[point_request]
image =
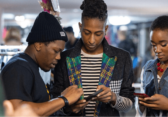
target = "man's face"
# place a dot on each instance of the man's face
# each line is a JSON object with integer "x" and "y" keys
{"x": 93, "y": 32}
{"x": 49, "y": 54}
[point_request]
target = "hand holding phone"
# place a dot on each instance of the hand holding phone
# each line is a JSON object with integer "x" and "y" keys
{"x": 93, "y": 95}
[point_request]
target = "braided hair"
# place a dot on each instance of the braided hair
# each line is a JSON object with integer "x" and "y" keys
{"x": 94, "y": 9}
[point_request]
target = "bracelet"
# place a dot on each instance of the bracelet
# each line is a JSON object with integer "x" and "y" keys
{"x": 65, "y": 100}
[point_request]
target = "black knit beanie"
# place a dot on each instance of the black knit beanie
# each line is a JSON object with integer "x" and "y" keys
{"x": 46, "y": 28}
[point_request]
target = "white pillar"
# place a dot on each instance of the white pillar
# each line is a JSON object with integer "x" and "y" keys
{"x": 1, "y": 25}
{"x": 143, "y": 38}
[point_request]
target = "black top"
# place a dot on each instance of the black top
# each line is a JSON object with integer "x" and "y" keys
{"x": 22, "y": 80}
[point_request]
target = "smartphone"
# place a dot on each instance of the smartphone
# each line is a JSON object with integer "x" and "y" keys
{"x": 141, "y": 95}
{"x": 55, "y": 5}
{"x": 2, "y": 97}
{"x": 93, "y": 95}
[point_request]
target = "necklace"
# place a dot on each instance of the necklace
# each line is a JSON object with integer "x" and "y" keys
{"x": 159, "y": 68}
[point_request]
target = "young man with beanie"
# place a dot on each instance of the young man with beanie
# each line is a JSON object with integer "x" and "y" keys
{"x": 22, "y": 81}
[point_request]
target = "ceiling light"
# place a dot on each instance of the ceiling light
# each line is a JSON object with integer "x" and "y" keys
{"x": 19, "y": 18}
{"x": 119, "y": 20}
{"x": 8, "y": 16}
{"x": 24, "y": 23}
{"x": 123, "y": 28}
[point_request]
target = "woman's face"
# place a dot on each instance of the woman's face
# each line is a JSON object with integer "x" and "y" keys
{"x": 93, "y": 31}
{"x": 159, "y": 41}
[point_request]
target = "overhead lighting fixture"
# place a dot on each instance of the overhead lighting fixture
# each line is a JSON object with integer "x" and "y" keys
{"x": 8, "y": 16}
{"x": 119, "y": 20}
{"x": 30, "y": 16}
{"x": 123, "y": 28}
{"x": 24, "y": 24}
{"x": 19, "y": 18}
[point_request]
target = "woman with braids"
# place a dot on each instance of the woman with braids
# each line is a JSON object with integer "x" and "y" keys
{"x": 93, "y": 65}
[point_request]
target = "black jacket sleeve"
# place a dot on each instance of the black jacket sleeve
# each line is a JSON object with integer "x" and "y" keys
{"x": 126, "y": 87}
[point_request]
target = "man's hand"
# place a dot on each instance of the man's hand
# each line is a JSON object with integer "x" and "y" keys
{"x": 156, "y": 102}
{"x": 72, "y": 94}
{"x": 80, "y": 105}
{"x": 106, "y": 95}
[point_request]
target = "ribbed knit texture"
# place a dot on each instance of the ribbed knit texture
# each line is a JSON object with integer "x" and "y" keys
{"x": 46, "y": 28}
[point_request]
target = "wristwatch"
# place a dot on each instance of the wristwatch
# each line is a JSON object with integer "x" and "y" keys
{"x": 65, "y": 100}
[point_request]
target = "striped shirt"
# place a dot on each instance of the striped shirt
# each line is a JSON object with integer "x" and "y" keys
{"x": 90, "y": 71}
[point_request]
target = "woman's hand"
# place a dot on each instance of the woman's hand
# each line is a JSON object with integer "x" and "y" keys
{"x": 156, "y": 102}
{"x": 141, "y": 107}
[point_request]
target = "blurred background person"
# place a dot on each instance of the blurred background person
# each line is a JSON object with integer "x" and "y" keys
{"x": 127, "y": 44}
{"x": 13, "y": 37}
{"x": 149, "y": 55}
{"x": 71, "y": 38}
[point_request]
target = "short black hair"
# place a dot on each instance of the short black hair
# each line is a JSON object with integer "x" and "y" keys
{"x": 94, "y": 9}
{"x": 160, "y": 23}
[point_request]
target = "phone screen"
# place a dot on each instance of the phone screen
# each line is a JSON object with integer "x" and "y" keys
{"x": 2, "y": 98}
{"x": 141, "y": 95}
{"x": 93, "y": 95}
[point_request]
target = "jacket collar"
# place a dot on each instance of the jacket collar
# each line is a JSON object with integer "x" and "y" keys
{"x": 106, "y": 47}
{"x": 152, "y": 66}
